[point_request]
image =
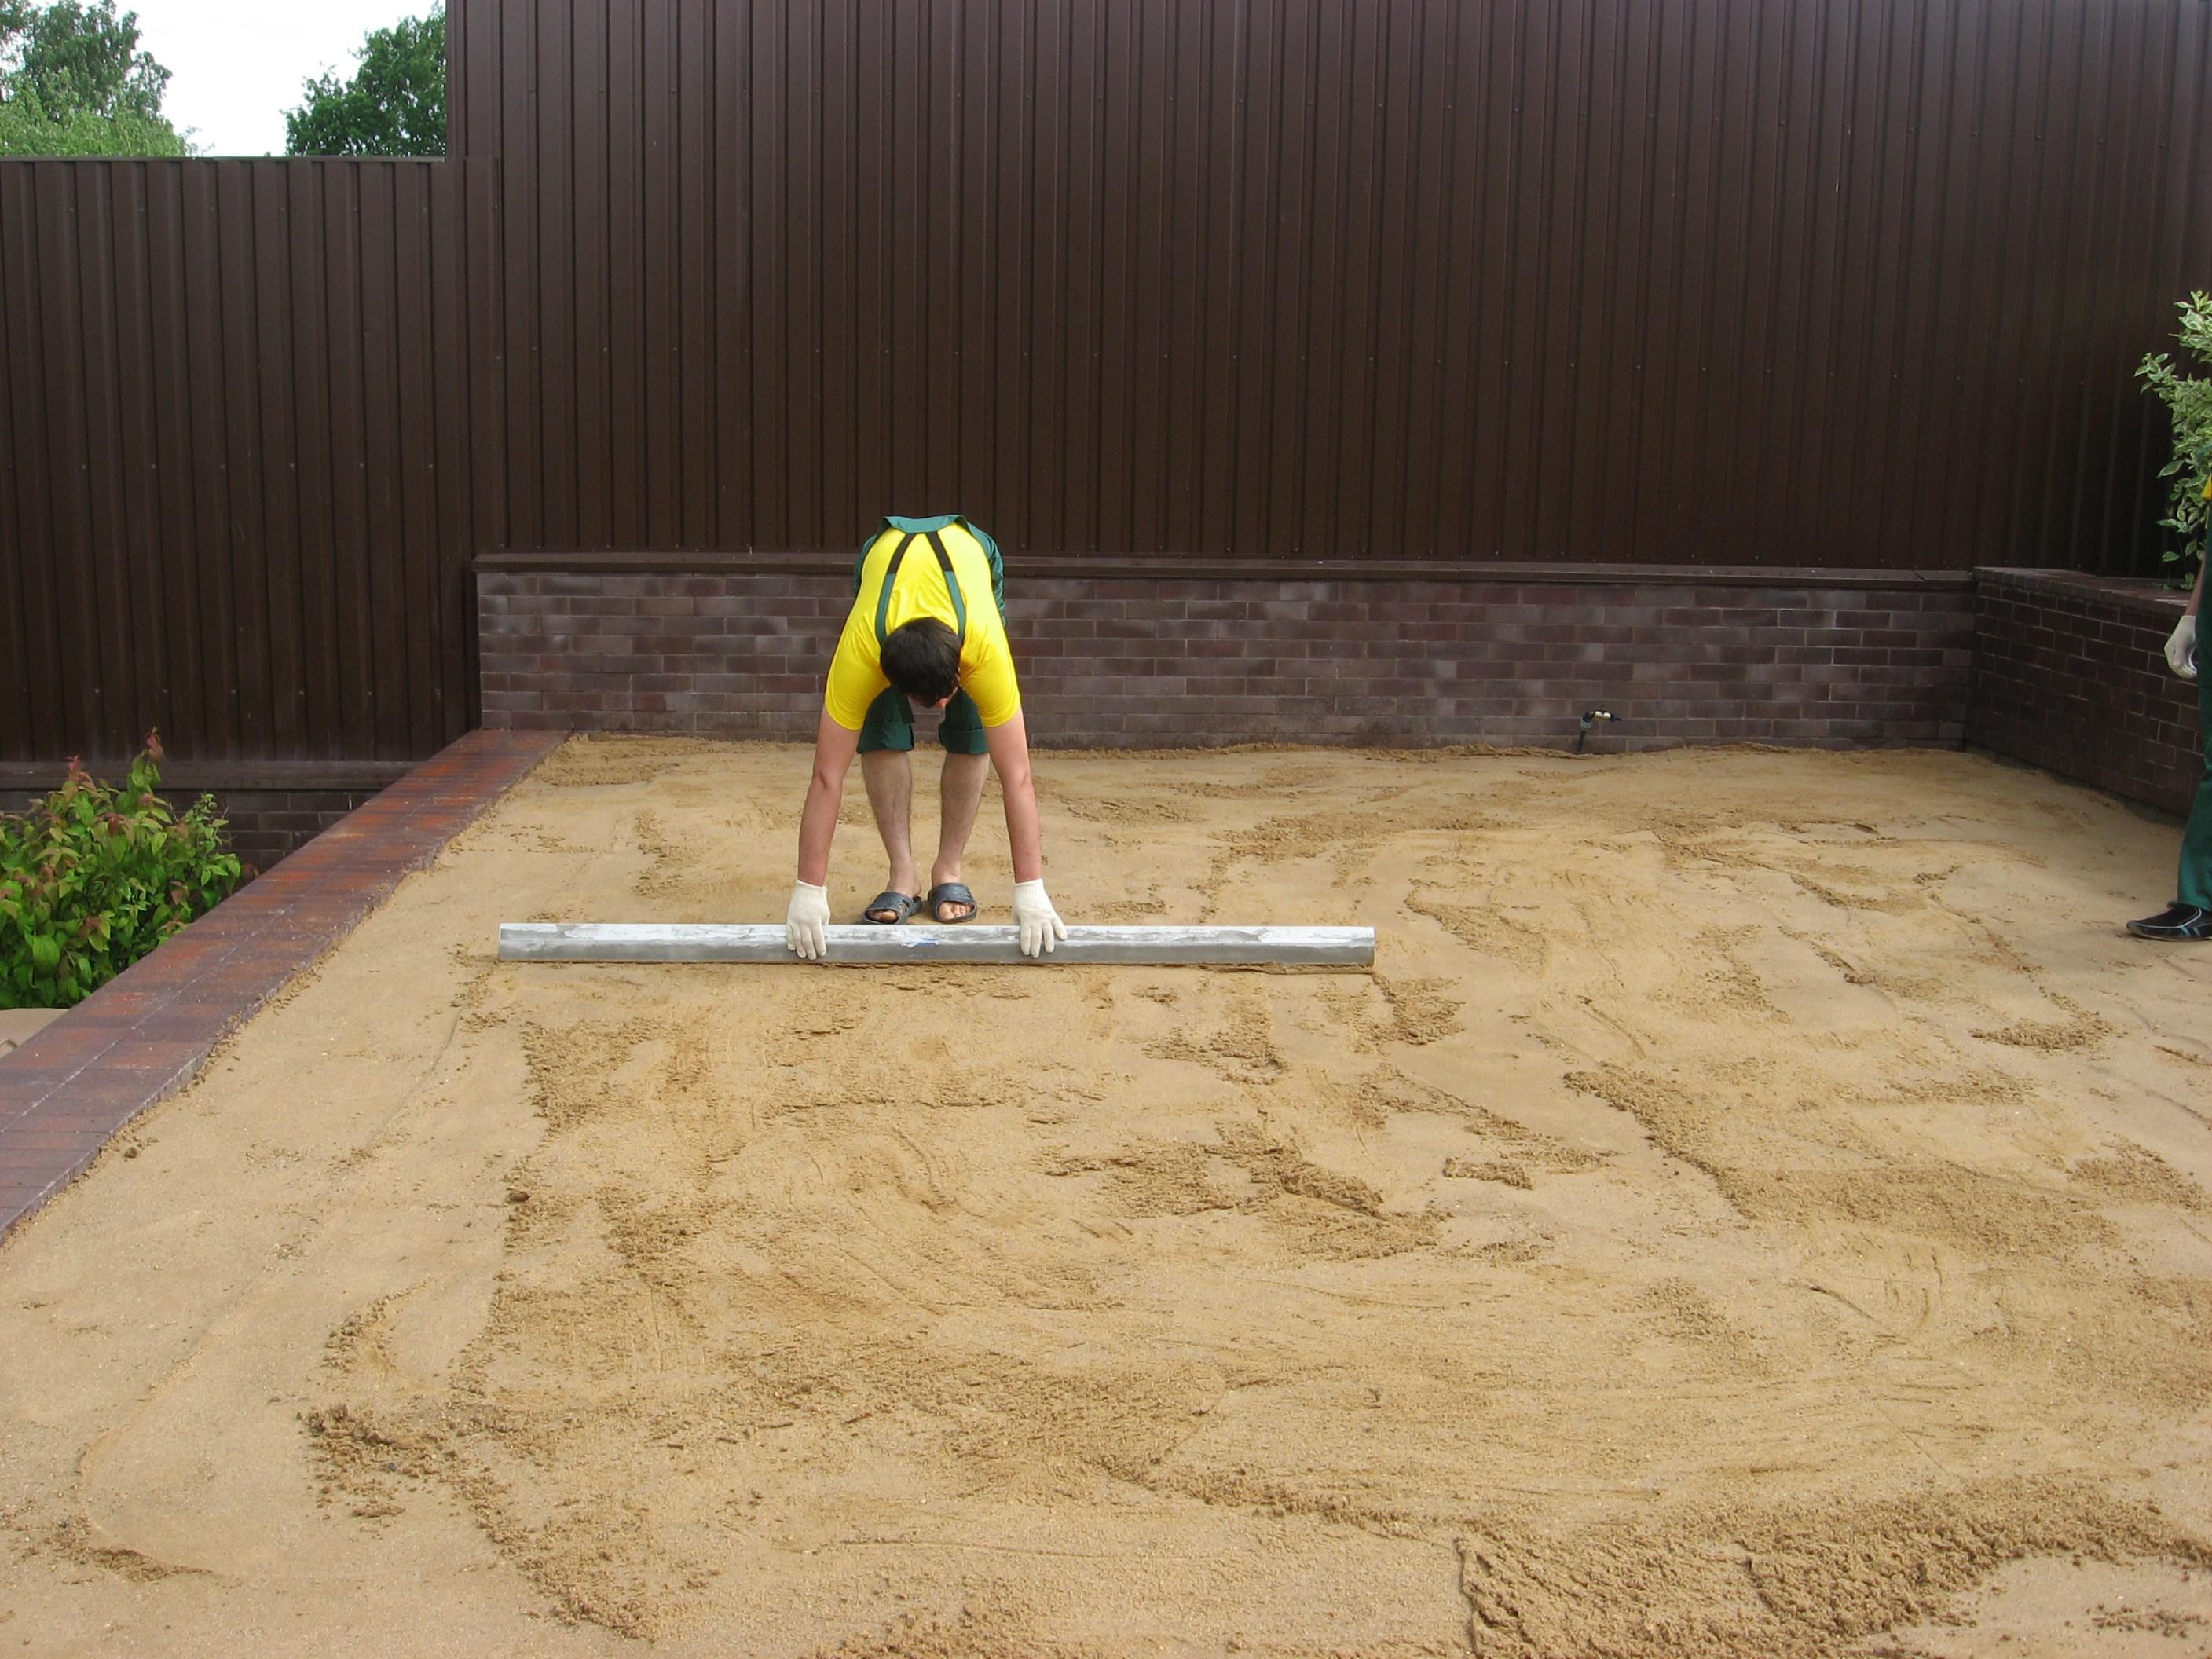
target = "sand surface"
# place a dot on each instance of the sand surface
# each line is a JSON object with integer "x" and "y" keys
{"x": 19, "y": 1025}
{"x": 1757, "y": 1206}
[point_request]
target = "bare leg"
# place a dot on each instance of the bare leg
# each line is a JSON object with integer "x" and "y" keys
{"x": 889, "y": 778}
{"x": 959, "y": 797}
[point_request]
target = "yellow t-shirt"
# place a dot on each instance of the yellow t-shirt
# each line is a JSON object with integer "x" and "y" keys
{"x": 986, "y": 661}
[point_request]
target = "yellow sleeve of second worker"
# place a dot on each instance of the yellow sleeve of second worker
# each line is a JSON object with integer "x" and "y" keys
{"x": 986, "y": 674}
{"x": 856, "y": 677}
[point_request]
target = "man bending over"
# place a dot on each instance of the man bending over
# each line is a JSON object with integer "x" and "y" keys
{"x": 928, "y": 626}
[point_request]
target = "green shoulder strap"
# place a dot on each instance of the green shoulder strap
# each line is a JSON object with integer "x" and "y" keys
{"x": 884, "y": 593}
{"x": 951, "y": 587}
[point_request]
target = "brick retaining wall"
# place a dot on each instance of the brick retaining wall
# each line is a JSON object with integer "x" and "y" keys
{"x": 2070, "y": 675}
{"x": 2059, "y": 670}
{"x": 266, "y": 825}
{"x": 1499, "y": 655}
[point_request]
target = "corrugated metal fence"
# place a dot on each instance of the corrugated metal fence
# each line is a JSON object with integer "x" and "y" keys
{"x": 1855, "y": 282}
{"x": 237, "y": 495}
{"x": 1792, "y": 281}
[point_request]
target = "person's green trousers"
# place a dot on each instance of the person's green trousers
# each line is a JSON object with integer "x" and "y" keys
{"x": 2195, "y": 887}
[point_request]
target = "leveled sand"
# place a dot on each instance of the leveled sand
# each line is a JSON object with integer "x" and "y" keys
{"x": 1756, "y": 1207}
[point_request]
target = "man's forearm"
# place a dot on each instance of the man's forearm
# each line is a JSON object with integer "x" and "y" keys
{"x": 1023, "y": 835}
{"x": 1010, "y": 758}
{"x": 818, "y": 827}
{"x": 834, "y": 748}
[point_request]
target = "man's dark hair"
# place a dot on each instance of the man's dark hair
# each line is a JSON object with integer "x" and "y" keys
{"x": 922, "y": 658}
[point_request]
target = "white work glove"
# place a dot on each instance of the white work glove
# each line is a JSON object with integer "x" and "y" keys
{"x": 1041, "y": 927}
{"x": 804, "y": 924}
{"x": 2181, "y": 648}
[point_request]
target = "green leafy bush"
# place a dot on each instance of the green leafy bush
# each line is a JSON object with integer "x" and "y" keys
{"x": 2189, "y": 401}
{"x": 92, "y": 879}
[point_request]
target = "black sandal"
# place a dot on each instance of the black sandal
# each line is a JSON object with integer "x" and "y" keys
{"x": 952, "y": 892}
{"x": 902, "y": 904}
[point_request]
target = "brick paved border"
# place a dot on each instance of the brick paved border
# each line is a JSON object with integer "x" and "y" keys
{"x": 135, "y": 1041}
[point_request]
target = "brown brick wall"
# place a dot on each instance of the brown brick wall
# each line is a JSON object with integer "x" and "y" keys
{"x": 2070, "y": 675}
{"x": 268, "y": 825}
{"x": 1779, "y": 657}
{"x": 265, "y": 824}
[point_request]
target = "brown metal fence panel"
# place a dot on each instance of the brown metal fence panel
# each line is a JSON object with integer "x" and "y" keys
{"x": 1858, "y": 282}
{"x": 237, "y": 440}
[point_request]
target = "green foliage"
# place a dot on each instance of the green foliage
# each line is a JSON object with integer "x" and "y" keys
{"x": 76, "y": 56}
{"x": 92, "y": 879}
{"x": 73, "y": 82}
{"x": 26, "y": 130}
{"x": 394, "y": 105}
{"x": 2189, "y": 401}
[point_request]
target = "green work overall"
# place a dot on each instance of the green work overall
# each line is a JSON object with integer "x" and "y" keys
{"x": 2195, "y": 884}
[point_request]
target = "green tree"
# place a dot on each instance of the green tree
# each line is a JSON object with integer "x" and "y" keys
{"x": 74, "y": 82}
{"x": 394, "y": 105}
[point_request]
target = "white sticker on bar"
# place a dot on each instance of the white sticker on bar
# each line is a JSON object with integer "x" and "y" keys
{"x": 1165, "y": 947}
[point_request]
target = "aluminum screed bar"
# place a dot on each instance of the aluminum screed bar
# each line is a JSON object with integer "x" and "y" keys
{"x": 1249, "y": 947}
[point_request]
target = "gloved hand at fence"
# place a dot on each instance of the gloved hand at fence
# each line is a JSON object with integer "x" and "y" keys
{"x": 2181, "y": 648}
{"x": 804, "y": 924}
{"x": 1041, "y": 927}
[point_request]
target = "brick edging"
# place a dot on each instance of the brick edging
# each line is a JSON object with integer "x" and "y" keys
{"x": 140, "y": 1038}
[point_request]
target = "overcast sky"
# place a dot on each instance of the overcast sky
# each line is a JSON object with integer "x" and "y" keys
{"x": 236, "y": 66}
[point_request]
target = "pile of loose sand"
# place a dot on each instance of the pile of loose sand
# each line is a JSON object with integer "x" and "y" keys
{"x": 1755, "y": 1207}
